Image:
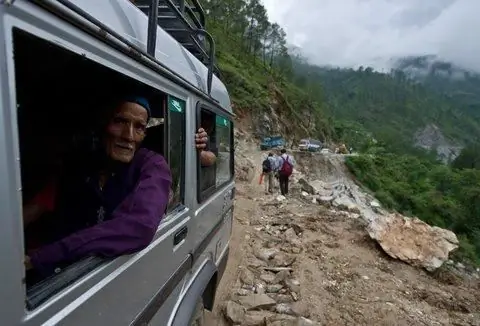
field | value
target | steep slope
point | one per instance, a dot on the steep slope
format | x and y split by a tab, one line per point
256	67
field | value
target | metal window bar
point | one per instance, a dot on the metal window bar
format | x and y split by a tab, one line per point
200	22
110	36
210	57
193	32
152	27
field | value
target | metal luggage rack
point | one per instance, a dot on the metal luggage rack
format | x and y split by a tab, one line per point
184	20
61	8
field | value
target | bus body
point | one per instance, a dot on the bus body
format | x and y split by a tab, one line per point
172	280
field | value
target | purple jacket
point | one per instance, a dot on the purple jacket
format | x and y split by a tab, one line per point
134	203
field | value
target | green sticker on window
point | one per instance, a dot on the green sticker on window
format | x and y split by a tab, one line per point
175	104
221	121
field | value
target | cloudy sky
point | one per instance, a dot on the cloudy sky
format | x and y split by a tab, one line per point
369	32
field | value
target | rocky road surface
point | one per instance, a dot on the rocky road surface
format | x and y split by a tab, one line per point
301	261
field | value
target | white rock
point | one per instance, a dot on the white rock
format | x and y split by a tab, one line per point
375	204
324	199
412	240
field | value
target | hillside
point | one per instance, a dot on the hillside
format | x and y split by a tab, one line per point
275	91
460	86
399	111
254	62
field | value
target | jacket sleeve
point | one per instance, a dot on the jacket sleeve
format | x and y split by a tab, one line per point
132	227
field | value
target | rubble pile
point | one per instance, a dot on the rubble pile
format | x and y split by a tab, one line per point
297	262
269	292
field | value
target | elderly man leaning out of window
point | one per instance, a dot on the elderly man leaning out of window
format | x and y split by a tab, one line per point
109	203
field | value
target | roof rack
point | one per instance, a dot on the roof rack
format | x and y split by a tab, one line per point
184	20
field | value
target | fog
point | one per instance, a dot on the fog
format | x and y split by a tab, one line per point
350	33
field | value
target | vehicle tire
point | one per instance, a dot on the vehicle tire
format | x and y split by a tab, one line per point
198	318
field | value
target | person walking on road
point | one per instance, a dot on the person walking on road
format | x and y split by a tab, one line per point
285	168
268	170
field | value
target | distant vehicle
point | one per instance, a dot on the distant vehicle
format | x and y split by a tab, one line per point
310	145
272	142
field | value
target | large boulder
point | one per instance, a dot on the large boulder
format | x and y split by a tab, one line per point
316	187
346	204
412	240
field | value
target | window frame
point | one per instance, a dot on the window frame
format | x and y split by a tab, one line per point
202	196
85	273
180	205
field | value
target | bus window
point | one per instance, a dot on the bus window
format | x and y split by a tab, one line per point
62	98
176	148
220	133
224	137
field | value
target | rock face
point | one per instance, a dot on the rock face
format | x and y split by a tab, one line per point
431	137
413	241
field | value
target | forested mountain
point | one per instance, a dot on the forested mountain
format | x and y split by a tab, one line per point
392	106
459	85
255	63
390	115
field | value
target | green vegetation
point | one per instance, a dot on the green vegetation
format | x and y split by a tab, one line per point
376	113
469	158
393	107
255	64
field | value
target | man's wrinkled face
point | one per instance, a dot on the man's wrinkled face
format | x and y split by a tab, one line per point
125	131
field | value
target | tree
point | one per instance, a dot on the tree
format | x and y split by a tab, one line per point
469	158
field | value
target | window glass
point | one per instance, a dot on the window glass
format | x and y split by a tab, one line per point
220	134
224	142
207	173
176	147
62	151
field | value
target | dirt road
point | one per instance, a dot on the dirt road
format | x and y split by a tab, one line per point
313	265
245	207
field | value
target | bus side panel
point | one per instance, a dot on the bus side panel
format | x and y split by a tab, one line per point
214	227
133	291
163	314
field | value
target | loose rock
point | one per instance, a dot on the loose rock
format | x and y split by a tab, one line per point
234	312
257	301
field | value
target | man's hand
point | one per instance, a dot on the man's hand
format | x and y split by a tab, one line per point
28	263
201	139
